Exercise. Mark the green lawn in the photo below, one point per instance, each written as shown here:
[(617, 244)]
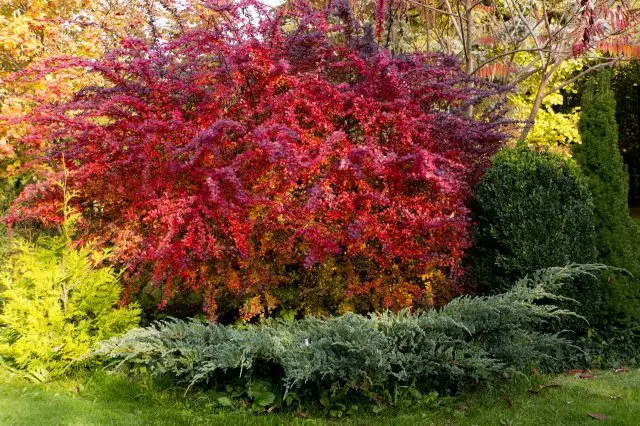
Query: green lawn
[(112, 400)]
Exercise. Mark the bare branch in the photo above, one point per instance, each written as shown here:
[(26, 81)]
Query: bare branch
[(434, 9), (457, 28), (502, 55), (589, 70)]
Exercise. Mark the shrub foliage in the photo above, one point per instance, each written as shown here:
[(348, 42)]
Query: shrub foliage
[(618, 236), (56, 302), (242, 162), (469, 339), (534, 210)]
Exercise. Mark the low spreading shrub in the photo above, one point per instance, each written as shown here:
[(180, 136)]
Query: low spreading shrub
[(56, 302), (469, 340), (534, 210)]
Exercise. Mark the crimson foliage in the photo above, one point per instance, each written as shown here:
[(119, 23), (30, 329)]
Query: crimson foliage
[(280, 159)]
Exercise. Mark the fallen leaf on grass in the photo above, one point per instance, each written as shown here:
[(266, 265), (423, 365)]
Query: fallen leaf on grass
[(598, 416)]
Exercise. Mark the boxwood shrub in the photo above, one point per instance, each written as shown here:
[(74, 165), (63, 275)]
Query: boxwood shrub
[(533, 210)]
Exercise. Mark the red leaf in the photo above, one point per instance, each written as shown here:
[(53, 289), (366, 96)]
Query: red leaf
[(232, 162)]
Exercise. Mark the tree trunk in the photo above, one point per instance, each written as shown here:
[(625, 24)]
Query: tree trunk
[(468, 6), (537, 103)]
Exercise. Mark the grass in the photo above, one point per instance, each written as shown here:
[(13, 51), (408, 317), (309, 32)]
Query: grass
[(113, 400)]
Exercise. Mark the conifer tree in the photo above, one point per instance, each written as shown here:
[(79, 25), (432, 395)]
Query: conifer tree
[(57, 300), (618, 237)]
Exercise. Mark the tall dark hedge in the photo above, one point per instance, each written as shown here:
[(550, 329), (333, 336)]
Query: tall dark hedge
[(534, 210), (625, 84), (617, 235)]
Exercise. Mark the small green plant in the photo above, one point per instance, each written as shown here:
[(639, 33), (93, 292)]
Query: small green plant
[(262, 397), (336, 406), (57, 301), (611, 347), (255, 395)]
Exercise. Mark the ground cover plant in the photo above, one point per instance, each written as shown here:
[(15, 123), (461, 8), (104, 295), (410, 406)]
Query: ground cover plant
[(279, 160), (471, 339)]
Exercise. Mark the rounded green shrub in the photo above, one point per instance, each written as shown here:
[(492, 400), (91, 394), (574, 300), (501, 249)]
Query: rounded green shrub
[(534, 210)]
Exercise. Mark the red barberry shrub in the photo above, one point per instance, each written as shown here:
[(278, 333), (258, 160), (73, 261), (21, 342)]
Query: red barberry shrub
[(279, 160)]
